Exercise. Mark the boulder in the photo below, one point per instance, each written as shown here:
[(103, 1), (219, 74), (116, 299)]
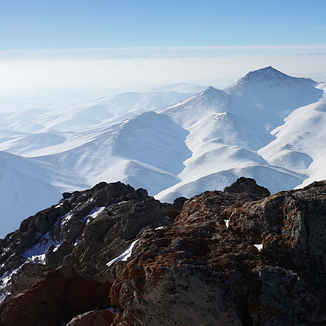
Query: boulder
[(27, 275), (55, 298)]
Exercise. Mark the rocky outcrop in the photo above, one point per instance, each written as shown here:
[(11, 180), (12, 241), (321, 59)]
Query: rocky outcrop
[(235, 257), (27, 275), (247, 185), (289, 283), (56, 298), (85, 230), (230, 261), (190, 273)]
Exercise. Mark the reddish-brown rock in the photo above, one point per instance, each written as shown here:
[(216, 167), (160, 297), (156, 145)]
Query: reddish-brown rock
[(229, 260), (237, 257), (55, 298), (93, 318), (191, 273)]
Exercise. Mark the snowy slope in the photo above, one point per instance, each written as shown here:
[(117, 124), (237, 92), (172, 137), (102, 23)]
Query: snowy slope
[(143, 101), (266, 96), (184, 88), (27, 186), (33, 128), (146, 151), (109, 110), (268, 126), (224, 141), (300, 142)]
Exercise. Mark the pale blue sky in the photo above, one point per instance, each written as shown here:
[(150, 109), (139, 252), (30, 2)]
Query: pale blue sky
[(63, 42), (72, 24)]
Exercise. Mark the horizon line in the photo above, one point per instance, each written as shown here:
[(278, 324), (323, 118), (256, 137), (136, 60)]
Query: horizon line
[(172, 47)]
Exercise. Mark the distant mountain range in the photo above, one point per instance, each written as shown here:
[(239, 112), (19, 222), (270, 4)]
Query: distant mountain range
[(179, 140)]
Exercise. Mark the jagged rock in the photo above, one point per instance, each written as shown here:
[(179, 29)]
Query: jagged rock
[(290, 226), (55, 258), (57, 297), (237, 257), (185, 274), (86, 229), (267, 268), (66, 195), (112, 232), (280, 296), (247, 185), (39, 224), (178, 203), (27, 275), (93, 318)]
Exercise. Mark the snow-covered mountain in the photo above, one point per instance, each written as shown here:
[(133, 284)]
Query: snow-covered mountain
[(227, 128), (267, 126), (29, 185)]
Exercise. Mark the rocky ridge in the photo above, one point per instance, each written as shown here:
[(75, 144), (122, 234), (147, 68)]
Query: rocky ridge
[(235, 257)]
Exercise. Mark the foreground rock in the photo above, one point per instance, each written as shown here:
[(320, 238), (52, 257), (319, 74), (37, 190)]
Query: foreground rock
[(237, 257), (93, 318), (228, 260), (85, 230), (56, 298)]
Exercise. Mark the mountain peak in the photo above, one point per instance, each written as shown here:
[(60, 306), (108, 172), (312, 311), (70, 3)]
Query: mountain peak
[(264, 75), (211, 93), (210, 89), (269, 78)]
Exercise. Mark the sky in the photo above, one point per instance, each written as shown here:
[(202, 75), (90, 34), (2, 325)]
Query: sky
[(38, 35), (81, 24)]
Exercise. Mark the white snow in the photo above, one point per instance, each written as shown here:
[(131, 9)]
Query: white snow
[(4, 282), (30, 185), (168, 140), (37, 252), (124, 256), (300, 142), (93, 214), (259, 246)]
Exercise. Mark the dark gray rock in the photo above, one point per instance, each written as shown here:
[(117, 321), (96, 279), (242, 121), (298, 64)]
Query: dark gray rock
[(247, 185), (27, 275), (86, 229)]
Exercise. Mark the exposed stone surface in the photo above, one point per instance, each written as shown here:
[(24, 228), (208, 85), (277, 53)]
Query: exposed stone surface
[(55, 298), (201, 272), (85, 230), (191, 273), (26, 276), (93, 318), (247, 185), (235, 257)]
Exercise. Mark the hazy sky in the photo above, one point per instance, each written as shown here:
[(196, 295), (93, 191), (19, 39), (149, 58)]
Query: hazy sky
[(36, 34)]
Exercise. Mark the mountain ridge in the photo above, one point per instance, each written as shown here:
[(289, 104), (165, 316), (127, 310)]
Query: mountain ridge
[(269, 74), (202, 142)]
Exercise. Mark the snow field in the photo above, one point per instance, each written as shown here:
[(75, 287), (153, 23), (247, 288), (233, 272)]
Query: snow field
[(268, 126)]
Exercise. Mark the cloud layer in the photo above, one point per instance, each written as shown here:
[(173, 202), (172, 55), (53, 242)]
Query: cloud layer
[(132, 73)]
